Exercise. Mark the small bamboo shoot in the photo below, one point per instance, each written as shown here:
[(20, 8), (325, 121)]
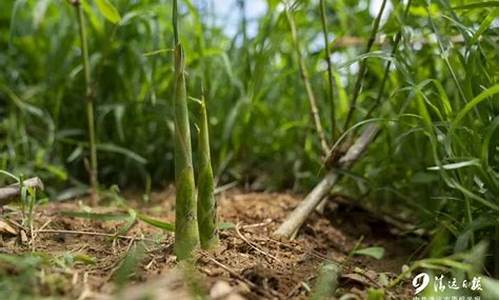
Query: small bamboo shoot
[(207, 205)]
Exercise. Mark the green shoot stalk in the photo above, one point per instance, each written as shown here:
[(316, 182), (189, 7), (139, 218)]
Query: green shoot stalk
[(89, 102), (331, 96), (362, 68), (186, 230), (207, 205), (305, 79), (326, 282)]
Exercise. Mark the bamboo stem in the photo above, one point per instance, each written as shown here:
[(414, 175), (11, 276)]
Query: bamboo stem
[(362, 68), (397, 39), (186, 230), (305, 79), (331, 81), (94, 183)]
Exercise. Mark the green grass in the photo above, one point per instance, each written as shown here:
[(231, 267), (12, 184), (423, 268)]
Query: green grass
[(435, 161)]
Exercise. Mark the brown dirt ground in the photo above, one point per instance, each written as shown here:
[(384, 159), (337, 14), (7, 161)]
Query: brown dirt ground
[(253, 263)]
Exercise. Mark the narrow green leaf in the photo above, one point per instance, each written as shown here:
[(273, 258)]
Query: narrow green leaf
[(475, 5), (108, 11), (85, 259), (156, 223), (226, 226), (374, 54), (156, 52), (458, 165), (57, 171), (485, 24), (8, 174), (126, 152), (16, 8), (375, 252), (473, 103)]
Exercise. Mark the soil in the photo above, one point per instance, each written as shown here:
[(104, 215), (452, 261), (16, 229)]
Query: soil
[(249, 263)]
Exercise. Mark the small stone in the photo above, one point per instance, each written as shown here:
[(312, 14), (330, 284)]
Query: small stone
[(24, 237), (220, 289)]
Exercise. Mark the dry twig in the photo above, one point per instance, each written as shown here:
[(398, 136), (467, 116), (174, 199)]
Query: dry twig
[(243, 238), (250, 284), (124, 237)]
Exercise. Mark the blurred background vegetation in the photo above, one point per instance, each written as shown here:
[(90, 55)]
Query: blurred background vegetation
[(435, 161)]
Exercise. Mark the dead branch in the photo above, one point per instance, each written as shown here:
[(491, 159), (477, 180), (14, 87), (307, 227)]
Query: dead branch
[(292, 224), (14, 190)]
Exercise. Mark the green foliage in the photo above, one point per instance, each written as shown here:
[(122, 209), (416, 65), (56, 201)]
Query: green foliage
[(435, 161), (129, 265), (490, 288), (18, 275), (376, 294), (460, 264), (27, 277), (108, 11)]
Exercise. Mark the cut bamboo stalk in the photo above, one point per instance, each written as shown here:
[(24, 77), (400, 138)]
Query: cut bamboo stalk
[(320, 209), (290, 227), (14, 190)]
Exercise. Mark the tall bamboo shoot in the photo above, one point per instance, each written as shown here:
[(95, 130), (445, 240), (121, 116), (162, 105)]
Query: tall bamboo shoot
[(186, 230)]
